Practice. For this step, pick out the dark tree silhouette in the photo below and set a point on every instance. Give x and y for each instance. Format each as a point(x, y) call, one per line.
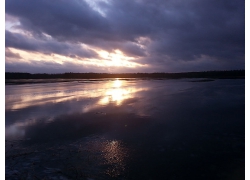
point(205, 74)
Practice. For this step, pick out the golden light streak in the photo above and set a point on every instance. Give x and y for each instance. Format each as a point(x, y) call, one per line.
point(113, 59)
point(110, 92)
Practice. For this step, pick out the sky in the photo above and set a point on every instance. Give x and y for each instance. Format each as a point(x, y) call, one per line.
point(124, 36)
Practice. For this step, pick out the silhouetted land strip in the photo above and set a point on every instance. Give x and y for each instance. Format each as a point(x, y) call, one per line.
point(207, 74)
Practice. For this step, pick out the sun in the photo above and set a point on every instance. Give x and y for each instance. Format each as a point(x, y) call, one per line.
point(117, 58)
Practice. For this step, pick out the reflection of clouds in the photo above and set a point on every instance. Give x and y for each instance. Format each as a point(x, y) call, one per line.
point(36, 102)
point(40, 99)
point(14, 132)
point(106, 92)
point(17, 130)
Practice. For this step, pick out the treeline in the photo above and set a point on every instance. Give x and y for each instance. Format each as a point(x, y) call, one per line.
point(205, 74)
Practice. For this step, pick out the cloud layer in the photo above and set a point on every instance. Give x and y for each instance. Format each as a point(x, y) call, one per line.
point(159, 35)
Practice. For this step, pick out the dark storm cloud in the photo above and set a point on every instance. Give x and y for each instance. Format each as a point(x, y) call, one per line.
point(178, 30)
point(64, 20)
point(19, 41)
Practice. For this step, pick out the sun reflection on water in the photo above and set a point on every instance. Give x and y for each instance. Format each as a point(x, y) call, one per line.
point(118, 93)
point(77, 97)
point(114, 156)
point(101, 93)
point(117, 83)
point(111, 155)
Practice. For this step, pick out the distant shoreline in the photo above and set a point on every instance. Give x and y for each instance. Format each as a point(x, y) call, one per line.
point(205, 74)
point(22, 78)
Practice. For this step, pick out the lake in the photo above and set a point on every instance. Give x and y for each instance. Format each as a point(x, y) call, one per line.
point(125, 129)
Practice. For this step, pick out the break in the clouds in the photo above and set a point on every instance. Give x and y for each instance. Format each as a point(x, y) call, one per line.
point(124, 35)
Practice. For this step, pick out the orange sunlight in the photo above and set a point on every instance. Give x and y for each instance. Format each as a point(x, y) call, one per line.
point(106, 59)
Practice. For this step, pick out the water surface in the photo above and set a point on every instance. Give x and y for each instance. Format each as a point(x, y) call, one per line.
point(125, 129)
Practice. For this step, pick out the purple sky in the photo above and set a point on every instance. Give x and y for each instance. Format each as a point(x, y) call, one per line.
point(124, 35)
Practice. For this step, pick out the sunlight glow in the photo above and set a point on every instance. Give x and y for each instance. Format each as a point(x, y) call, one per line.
point(106, 59)
point(118, 94)
point(117, 58)
point(117, 83)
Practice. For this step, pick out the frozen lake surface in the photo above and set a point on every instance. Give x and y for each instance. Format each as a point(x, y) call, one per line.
point(125, 129)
